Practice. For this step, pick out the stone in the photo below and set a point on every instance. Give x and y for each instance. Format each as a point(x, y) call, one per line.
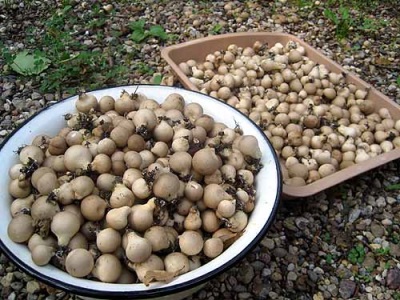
point(12, 296)
point(393, 278)
point(369, 262)
point(318, 296)
point(6, 94)
point(354, 215)
point(3, 133)
point(291, 267)
point(266, 272)
point(3, 259)
point(244, 295)
point(19, 103)
point(276, 276)
point(88, 42)
point(8, 85)
point(394, 249)
point(292, 276)
point(348, 61)
point(32, 287)
point(343, 272)
point(273, 295)
point(386, 222)
point(17, 285)
point(7, 106)
point(318, 270)
point(265, 258)
point(239, 288)
point(347, 288)
point(332, 289)
point(302, 283)
point(257, 265)
point(381, 202)
point(268, 243)
point(391, 200)
point(6, 280)
point(279, 252)
point(369, 289)
point(377, 229)
point(36, 96)
point(49, 97)
point(245, 274)
point(289, 223)
point(301, 222)
point(312, 275)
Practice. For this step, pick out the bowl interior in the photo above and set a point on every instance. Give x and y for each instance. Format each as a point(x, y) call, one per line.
point(50, 121)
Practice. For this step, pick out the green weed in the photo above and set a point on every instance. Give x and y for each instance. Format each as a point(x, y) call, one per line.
point(358, 4)
point(371, 25)
point(69, 62)
point(140, 33)
point(157, 78)
point(326, 237)
point(144, 69)
point(26, 63)
point(329, 258)
point(216, 29)
point(364, 278)
point(382, 251)
point(393, 235)
point(341, 19)
point(304, 3)
point(356, 254)
point(396, 186)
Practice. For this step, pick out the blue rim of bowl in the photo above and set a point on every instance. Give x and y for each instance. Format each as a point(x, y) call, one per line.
point(87, 292)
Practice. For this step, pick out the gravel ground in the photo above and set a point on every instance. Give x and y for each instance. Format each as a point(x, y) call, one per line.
point(340, 244)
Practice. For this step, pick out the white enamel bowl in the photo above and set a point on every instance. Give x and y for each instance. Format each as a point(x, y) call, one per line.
point(50, 120)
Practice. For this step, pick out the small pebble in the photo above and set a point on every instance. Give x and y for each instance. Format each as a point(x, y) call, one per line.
point(36, 96)
point(380, 202)
point(12, 296)
point(347, 288)
point(393, 278)
point(32, 287)
point(276, 276)
point(273, 295)
point(268, 243)
point(292, 276)
point(279, 252)
point(377, 229)
point(6, 280)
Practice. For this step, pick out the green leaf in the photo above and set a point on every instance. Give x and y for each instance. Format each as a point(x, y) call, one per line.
point(137, 25)
point(142, 68)
point(398, 81)
point(67, 8)
point(159, 32)
point(393, 187)
point(344, 11)
point(329, 258)
point(157, 79)
point(331, 16)
point(27, 64)
point(138, 36)
point(217, 28)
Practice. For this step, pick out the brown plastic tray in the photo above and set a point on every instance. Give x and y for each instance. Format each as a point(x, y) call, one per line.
point(198, 49)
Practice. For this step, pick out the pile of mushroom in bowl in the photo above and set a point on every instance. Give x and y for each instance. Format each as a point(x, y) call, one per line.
point(138, 191)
